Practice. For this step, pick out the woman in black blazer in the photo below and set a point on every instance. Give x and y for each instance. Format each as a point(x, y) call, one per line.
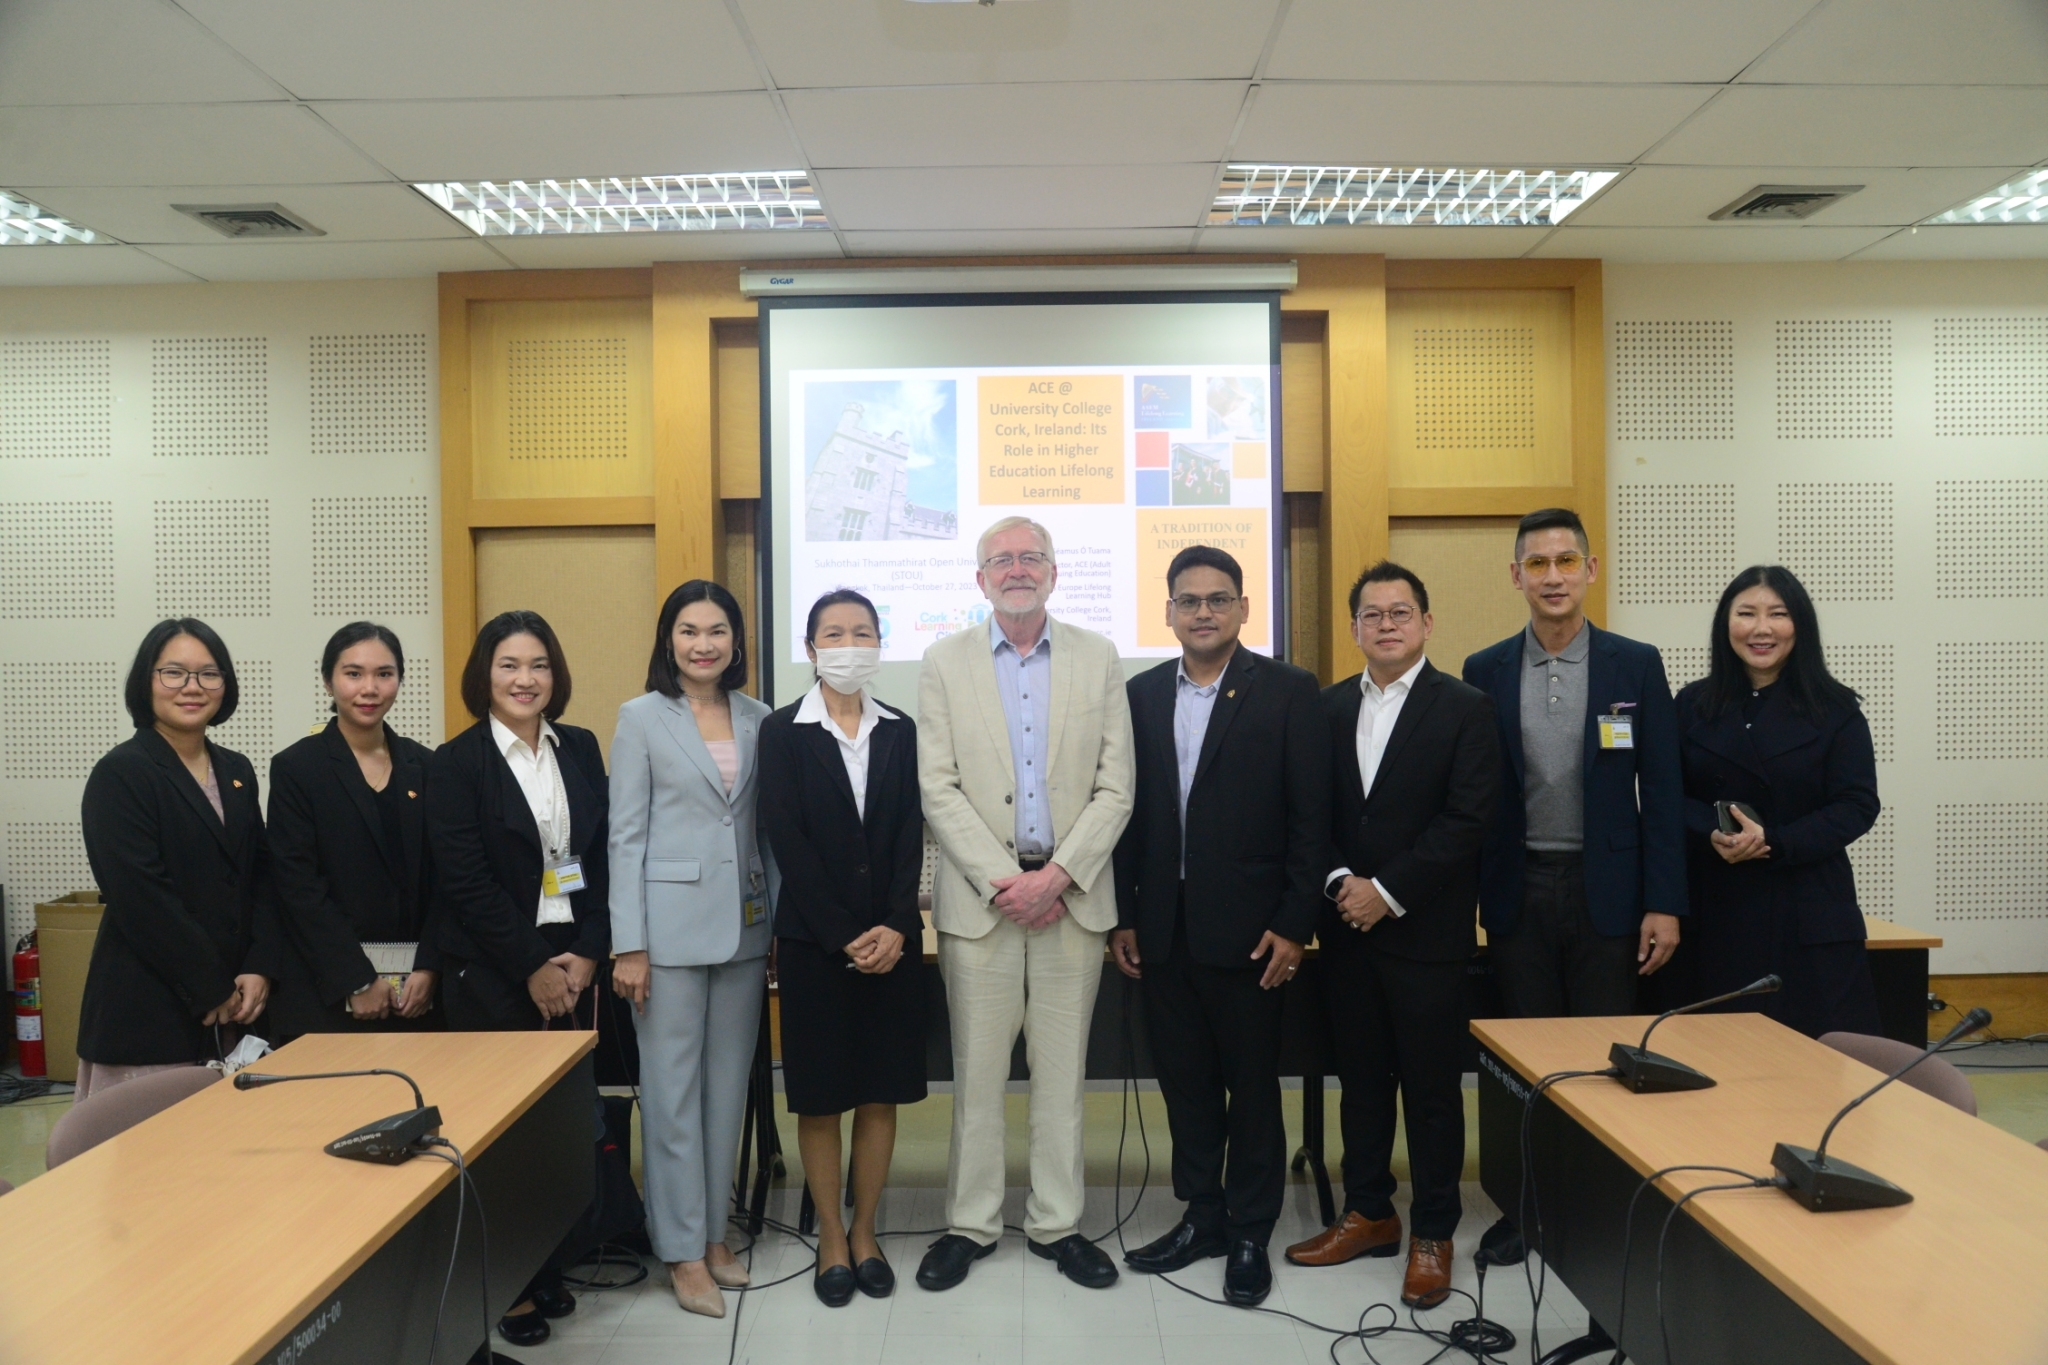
point(348, 837)
point(1770, 727)
point(188, 946)
point(516, 815)
point(849, 939)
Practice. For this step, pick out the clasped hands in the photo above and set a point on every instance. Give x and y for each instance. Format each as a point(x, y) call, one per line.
point(380, 1000)
point(1033, 900)
point(252, 990)
point(560, 981)
point(876, 951)
point(1746, 843)
point(1360, 904)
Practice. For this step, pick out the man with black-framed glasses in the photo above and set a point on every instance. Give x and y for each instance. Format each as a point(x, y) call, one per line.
point(1583, 881)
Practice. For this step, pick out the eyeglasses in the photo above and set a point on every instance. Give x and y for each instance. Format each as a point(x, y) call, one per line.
point(1393, 616)
point(1030, 559)
point(1568, 562)
point(173, 678)
point(1187, 604)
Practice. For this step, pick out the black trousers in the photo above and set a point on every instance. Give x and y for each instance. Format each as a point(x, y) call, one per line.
point(1216, 1045)
point(1556, 963)
point(1398, 1025)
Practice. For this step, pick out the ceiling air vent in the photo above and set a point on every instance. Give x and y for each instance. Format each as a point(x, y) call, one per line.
point(1772, 202)
point(250, 220)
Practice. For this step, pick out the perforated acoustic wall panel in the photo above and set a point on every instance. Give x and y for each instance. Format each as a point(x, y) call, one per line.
point(56, 560)
point(1991, 376)
point(568, 398)
point(1475, 388)
point(1674, 381)
point(1834, 379)
point(1673, 542)
point(1683, 664)
point(56, 399)
point(262, 457)
point(1885, 442)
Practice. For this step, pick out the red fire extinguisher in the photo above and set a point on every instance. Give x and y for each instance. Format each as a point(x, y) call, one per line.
point(28, 1006)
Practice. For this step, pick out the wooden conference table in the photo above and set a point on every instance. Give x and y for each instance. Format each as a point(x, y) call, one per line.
point(1749, 1275)
point(219, 1233)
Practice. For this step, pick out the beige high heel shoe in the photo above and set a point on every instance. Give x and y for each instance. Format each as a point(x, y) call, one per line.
point(710, 1302)
point(732, 1274)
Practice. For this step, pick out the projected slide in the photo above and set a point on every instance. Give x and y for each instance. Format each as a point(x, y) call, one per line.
point(897, 472)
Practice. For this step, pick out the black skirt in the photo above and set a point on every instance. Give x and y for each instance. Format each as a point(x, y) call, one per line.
point(850, 1038)
point(1828, 986)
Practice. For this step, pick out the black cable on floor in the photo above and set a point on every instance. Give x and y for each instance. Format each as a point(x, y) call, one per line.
point(14, 1089)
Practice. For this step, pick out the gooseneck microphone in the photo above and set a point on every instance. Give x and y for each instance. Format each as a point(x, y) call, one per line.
point(1830, 1185)
point(389, 1141)
point(1650, 1073)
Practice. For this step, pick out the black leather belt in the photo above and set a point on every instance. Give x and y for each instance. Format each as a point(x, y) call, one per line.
point(1033, 864)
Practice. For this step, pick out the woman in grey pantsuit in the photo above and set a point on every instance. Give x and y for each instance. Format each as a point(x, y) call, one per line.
point(690, 925)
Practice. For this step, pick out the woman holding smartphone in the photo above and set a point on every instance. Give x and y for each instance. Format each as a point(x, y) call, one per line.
point(1780, 778)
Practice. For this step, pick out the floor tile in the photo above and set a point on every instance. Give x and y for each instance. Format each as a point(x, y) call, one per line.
point(765, 1347)
point(975, 1349)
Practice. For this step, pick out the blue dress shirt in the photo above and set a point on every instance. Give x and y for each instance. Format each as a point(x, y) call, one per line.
point(1024, 681)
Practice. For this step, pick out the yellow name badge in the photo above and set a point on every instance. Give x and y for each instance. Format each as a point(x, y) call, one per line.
point(755, 909)
point(1617, 732)
point(563, 878)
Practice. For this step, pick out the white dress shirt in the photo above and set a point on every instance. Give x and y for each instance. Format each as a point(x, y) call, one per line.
point(540, 779)
point(1378, 711)
point(853, 752)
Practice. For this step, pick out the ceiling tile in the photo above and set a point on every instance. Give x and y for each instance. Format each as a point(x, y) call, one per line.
point(457, 49)
point(173, 144)
point(1464, 243)
point(2001, 243)
point(1109, 123)
point(328, 260)
point(1763, 125)
point(1683, 196)
point(502, 139)
point(1910, 42)
point(116, 52)
point(1021, 197)
point(378, 212)
point(34, 265)
point(643, 248)
point(892, 42)
point(1427, 125)
point(1512, 40)
point(1001, 242)
point(1752, 242)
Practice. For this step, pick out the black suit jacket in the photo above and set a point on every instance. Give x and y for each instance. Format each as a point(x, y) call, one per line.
point(1813, 785)
point(1257, 820)
point(1419, 831)
point(842, 874)
point(189, 902)
point(341, 882)
point(488, 858)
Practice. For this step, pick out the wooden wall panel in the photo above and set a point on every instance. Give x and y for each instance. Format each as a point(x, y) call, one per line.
point(1463, 561)
point(593, 584)
point(740, 572)
point(1304, 409)
point(561, 398)
point(1479, 387)
point(738, 411)
point(1306, 627)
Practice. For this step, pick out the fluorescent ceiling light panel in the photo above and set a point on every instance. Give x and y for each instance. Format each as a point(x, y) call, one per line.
point(724, 202)
point(2024, 200)
point(26, 224)
point(1399, 196)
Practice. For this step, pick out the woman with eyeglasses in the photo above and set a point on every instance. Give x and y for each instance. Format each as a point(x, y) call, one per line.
point(189, 945)
point(1780, 778)
point(516, 823)
point(348, 835)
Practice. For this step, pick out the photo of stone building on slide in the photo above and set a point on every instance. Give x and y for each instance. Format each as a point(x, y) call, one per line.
point(859, 488)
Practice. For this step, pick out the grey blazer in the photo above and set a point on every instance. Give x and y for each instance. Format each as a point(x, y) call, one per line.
point(684, 856)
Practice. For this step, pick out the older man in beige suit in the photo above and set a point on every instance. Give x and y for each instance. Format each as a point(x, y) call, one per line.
point(1024, 755)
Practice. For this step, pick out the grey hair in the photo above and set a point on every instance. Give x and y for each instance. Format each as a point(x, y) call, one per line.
point(1011, 524)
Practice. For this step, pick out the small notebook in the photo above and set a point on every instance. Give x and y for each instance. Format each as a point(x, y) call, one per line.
point(392, 961)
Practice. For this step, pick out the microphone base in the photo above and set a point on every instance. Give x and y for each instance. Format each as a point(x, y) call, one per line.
point(389, 1141)
point(1832, 1185)
point(1652, 1073)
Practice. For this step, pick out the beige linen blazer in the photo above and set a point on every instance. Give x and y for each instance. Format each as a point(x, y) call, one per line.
point(969, 780)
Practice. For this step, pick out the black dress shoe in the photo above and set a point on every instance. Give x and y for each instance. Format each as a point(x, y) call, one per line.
point(947, 1263)
point(553, 1303)
point(1177, 1250)
point(1502, 1244)
point(1247, 1275)
point(834, 1286)
point(527, 1329)
point(875, 1278)
point(1080, 1260)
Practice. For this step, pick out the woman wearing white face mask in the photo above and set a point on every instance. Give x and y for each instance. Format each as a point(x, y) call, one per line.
point(840, 811)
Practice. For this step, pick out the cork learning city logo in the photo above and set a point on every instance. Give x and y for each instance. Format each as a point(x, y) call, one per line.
point(945, 622)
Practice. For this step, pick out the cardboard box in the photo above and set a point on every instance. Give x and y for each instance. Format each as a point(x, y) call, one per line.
point(65, 931)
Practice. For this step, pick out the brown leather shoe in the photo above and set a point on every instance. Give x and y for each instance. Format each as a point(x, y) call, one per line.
point(1350, 1237)
point(1428, 1281)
